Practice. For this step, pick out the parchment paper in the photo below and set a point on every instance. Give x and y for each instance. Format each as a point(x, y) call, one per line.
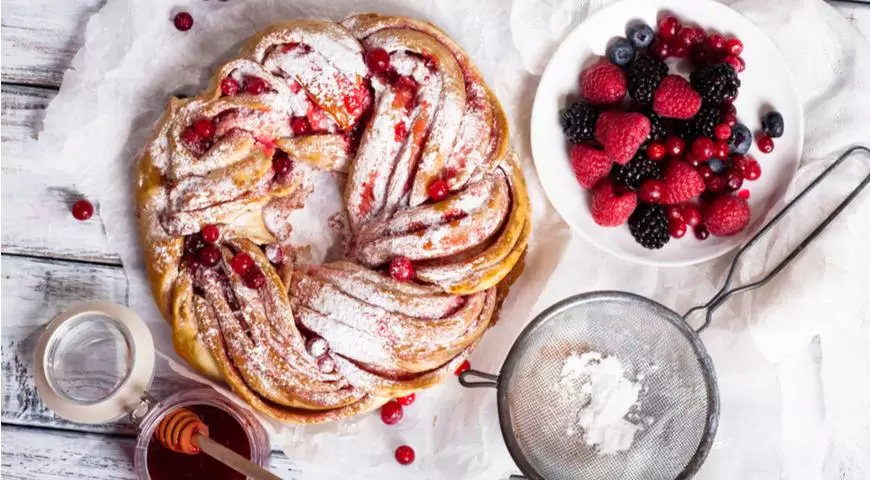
point(789, 357)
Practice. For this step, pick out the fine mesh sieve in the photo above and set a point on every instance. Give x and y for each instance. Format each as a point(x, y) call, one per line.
point(678, 405)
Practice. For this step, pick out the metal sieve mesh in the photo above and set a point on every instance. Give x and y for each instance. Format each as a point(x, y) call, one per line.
point(678, 404)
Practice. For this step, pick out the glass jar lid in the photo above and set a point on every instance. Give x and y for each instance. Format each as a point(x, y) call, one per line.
point(94, 362)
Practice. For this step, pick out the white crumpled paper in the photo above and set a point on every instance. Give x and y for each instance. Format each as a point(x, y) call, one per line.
point(793, 403)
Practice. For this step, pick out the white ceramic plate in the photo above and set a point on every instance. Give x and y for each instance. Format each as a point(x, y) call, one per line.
point(766, 83)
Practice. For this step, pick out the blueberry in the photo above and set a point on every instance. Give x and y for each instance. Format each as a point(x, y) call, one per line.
point(620, 52)
point(773, 124)
point(640, 35)
point(716, 165)
point(741, 139)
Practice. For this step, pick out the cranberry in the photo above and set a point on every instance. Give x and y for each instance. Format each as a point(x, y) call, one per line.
point(705, 171)
point(659, 50)
point(715, 184)
point(669, 27)
point(300, 125)
point(702, 148)
point(701, 232)
point(691, 214)
point(82, 210)
point(734, 180)
point(281, 163)
point(674, 146)
point(405, 455)
point(733, 46)
point(407, 399)
point(241, 263)
point(735, 62)
point(274, 253)
point(463, 368)
point(392, 412)
point(378, 60)
point(677, 228)
point(210, 233)
point(674, 212)
point(401, 269)
point(255, 85)
point(438, 190)
point(229, 86)
point(194, 243)
point(204, 127)
point(738, 162)
point(741, 64)
point(183, 21)
point(651, 190)
point(693, 160)
point(744, 194)
point(715, 43)
point(765, 144)
point(209, 256)
point(722, 131)
point(720, 149)
point(254, 278)
point(729, 119)
point(686, 36)
point(655, 151)
point(752, 170)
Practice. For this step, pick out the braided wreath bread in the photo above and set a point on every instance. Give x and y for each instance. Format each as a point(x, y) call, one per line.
point(394, 107)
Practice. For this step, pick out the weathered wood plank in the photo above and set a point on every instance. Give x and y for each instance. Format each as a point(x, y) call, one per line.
point(36, 198)
point(30, 453)
point(40, 38)
point(34, 292)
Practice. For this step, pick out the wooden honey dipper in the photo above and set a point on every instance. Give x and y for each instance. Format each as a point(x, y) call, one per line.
point(184, 432)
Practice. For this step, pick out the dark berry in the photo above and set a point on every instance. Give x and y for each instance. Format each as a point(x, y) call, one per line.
point(657, 128)
point(716, 83)
point(643, 78)
point(578, 122)
point(620, 52)
point(229, 86)
point(281, 163)
point(255, 85)
point(183, 21)
point(210, 233)
point(405, 455)
point(655, 151)
point(701, 232)
point(674, 146)
point(241, 263)
point(401, 269)
point(691, 214)
point(640, 35)
point(702, 148)
point(638, 169)
point(773, 124)
point(194, 243)
point(765, 144)
point(741, 139)
point(702, 124)
point(392, 412)
point(82, 210)
point(669, 27)
point(699, 55)
point(209, 256)
point(649, 226)
point(378, 60)
point(677, 228)
point(716, 165)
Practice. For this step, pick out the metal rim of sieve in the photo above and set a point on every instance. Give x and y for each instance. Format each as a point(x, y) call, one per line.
point(679, 321)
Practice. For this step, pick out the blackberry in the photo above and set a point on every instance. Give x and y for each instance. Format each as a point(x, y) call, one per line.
point(649, 226)
point(644, 76)
point(657, 129)
point(578, 122)
point(716, 82)
point(638, 169)
point(701, 125)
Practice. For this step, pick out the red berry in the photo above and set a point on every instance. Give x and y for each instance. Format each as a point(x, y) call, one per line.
point(462, 368)
point(229, 86)
point(193, 244)
point(765, 144)
point(183, 21)
point(659, 49)
point(407, 399)
point(744, 194)
point(655, 151)
point(677, 228)
point(438, 190)
point(729, 120)
point(691, 214)
point(715, 43)
point(686, 36)
point(741, 64)
point(715, 184)
point(674, 146)
point(669, 27)
point(738, 162)
point(735, 62)
point(674, 212)
point(677, 49)
point(700, 36)
point(734, 180)
point(204, 127)
point(727, 215)
point(722, 131)
point(82, 210)
point(693, 160)
point(701, 232)
point(210, 233)
point(401, 269)
point(281, 163)
point(241, 263)
point(300, 125)
point(378, 60)
point(699, 55)
point(702, 148)
point(650, 191)
point(705, 171)
point(392, 412)
point(720, 149)
point(733, 46)
point(255, 85)
point(752, 170)
point(209, 256)
point(405, 455)
point(254, 278)
point(190, 137)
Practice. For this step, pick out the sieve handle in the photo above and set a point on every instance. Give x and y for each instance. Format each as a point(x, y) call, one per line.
point(489, 380)
point(727, 292)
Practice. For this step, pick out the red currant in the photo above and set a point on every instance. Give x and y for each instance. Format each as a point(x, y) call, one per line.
point(210, 233)
point(183, 21)
point(82, 210)
point(677, 49)
point(209, 256)
point(674, 212)
point(659, 50)
point(705, 171)
point(734, 180)
point(701, 232)
point(765, 144)
point(729, 120)
point(720, 149)
point(378, 60)
point(300, 125)
point(752, 170)
point(281, 163)
point(204, 127)
point(401, 269)
point(744, 194)
point(715, 184)
point(407, 399)
point(651, 190)
point(734, 62)
point(655, 151)
point(241, 263)
point(669, 27)
point(254, 278)
point(702, 148)
point(722, 131)
point(686, 36)
point(715, 43)
point(392, 412)
point(229, 86)
point(405, 455)
point(255, 85)
point(691, 214)
point(438, 190)
point(674, 146)
point(733, 46)
point(677, 228)
point(738, 163)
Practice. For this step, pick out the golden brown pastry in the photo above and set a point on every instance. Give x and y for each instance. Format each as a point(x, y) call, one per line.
point(432, 187)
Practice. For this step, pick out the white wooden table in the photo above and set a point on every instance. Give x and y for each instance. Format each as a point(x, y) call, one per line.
point(46, 270)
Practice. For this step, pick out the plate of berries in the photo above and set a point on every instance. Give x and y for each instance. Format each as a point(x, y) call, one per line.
point(664, 131)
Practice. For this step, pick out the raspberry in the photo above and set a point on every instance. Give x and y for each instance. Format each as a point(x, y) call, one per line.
point(610, 210)
point(603, 82)
point(675, 98)
point(682, 182)
point(727, 215)
point(621, 134)
point(589, 164)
